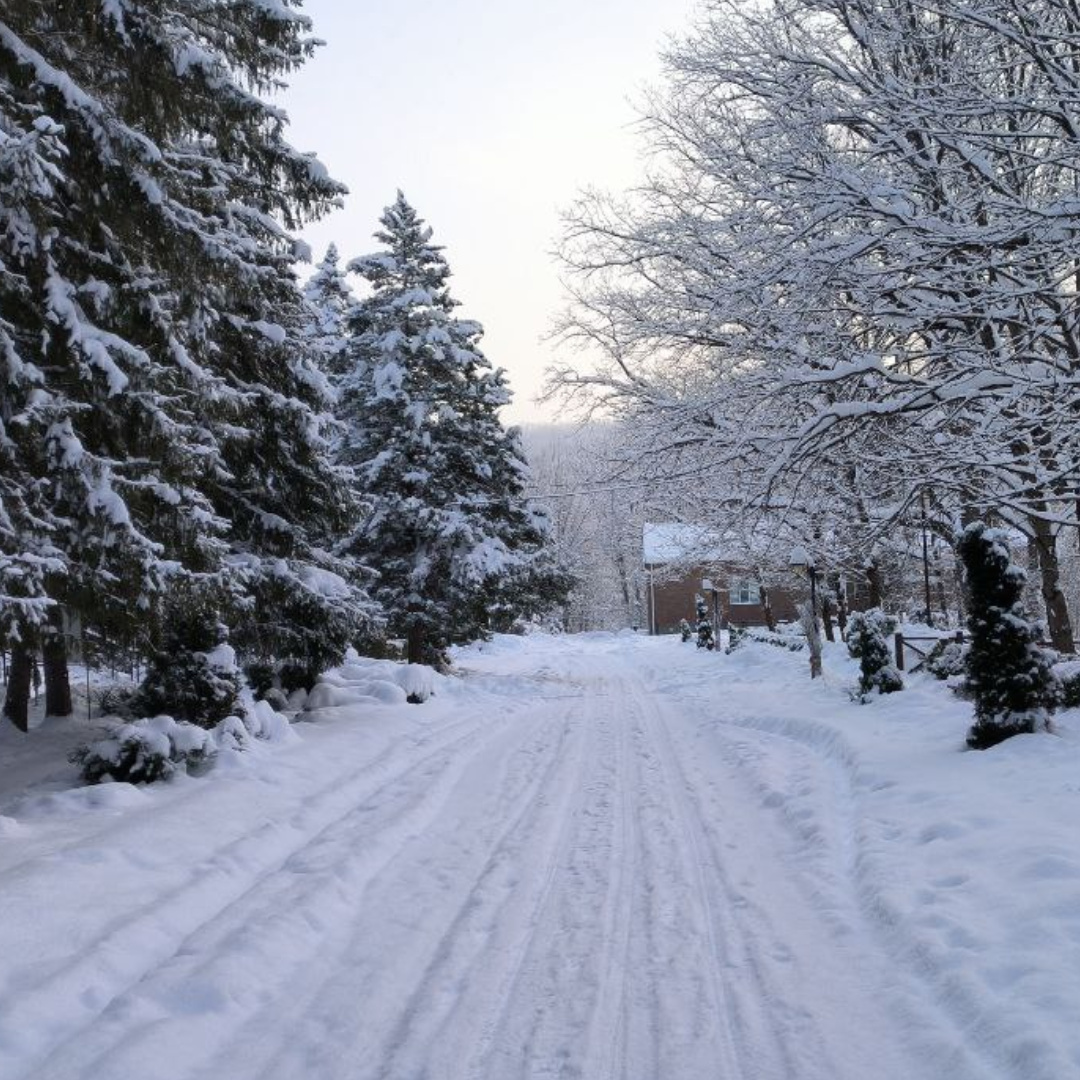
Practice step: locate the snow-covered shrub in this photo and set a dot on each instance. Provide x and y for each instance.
(779, 641)
(292, 675)
(685, 632)
(261, 677)
(1068, 676)
(736, 639)
(260, 720)
(143, 752)
(116, 699)
(886, 627)
(417, 680)
(705, 636)
(194, 675)
(190, 685)
(868, 641)
(1009, 677)
(946, 659)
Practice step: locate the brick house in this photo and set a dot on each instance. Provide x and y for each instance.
(684, 561)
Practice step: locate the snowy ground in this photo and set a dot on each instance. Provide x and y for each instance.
(597, 857)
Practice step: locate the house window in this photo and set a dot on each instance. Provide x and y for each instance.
(744, 592)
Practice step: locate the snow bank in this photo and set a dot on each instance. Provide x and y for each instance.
(361, 680)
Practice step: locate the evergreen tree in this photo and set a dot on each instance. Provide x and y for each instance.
(1008, 675)
(867, 640)
(186, 678)
(162, 412)
(448, 528)
(705, 636)
(330, 302)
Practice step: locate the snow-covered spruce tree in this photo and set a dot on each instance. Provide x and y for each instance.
(448, 527)
(705, 636)
(155, 387)
(184, 678)
(330, 301)
(1009, 677)
(523, 577)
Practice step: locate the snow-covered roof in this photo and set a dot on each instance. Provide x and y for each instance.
(676, 542)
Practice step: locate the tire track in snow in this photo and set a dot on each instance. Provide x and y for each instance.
(686, 1002)
(754, 1042)
(945, 1024)
(782, 1027)
(455, 989)
(563, 1012)
(76, 999)
(333, 1010)
(573, 892)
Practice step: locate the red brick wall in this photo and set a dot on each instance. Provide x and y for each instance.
(674, 601)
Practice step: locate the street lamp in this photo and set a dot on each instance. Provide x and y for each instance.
(801, 562)
(708, 587)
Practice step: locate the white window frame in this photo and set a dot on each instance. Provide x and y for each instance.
(744, 587)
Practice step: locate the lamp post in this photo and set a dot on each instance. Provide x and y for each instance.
(800, 561)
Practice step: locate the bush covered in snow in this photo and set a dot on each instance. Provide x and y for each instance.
(886, 627)
(261, 677)
(194, 675)
(1009, 677)
(867, 640)
(1070, 692)
(190, 685)
(1068, 676)
(705, 636)
(117, 699)
(780, 641)
(685, 633)
(148, 750)
(946, 659)
(144, 751)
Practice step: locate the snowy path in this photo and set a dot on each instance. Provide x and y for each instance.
(562, 875)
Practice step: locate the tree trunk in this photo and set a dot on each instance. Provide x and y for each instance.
(1058, 622)
(841, 607)
(415, 640)
(54, 659)
(808, 618)
(766, 607)
(874, 584)
(17, 701)
(826, 617)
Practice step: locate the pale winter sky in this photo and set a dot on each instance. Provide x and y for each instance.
(490, 117)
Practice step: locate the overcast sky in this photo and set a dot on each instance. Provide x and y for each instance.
(490, 116)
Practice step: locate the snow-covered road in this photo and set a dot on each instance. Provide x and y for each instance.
(559, 871)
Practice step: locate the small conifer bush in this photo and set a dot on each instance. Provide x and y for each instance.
(193, 676)
(946, 659)
(1070, 690)
(1008, 676)
(886, 626)
(868, 641)
(144, 752)
(705, 637)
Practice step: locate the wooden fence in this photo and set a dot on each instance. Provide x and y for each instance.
(921, 646)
